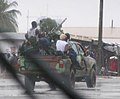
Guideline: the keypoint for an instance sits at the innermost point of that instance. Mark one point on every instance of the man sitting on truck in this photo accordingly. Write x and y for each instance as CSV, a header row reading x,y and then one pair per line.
x,y
63,46
44,44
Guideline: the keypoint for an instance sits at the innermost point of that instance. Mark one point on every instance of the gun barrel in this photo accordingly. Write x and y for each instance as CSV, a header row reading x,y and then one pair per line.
x,y
63,21
56,28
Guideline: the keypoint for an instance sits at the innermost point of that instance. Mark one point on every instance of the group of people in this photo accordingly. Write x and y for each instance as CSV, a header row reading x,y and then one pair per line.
x,y
62,44
34,34
36,38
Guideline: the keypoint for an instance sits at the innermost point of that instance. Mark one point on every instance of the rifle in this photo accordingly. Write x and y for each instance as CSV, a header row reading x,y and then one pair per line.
x,y
54,33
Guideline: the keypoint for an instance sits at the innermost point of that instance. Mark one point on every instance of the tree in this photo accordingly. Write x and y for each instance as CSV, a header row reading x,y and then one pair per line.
x,y
8,16
47,24
51,28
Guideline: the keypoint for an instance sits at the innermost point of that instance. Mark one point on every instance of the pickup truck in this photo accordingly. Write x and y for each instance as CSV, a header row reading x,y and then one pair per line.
x,y
62,64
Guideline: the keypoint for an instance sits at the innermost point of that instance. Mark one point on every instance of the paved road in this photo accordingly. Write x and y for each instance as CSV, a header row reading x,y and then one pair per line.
x,y
107,88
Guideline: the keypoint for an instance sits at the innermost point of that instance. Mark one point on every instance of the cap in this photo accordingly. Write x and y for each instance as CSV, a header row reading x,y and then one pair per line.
x,y
63,36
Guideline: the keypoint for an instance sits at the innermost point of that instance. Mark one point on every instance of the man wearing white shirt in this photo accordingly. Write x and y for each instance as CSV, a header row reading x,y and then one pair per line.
x,y
62,45
32,32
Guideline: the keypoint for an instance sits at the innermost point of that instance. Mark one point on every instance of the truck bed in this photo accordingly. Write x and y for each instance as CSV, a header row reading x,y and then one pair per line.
x,y
30,67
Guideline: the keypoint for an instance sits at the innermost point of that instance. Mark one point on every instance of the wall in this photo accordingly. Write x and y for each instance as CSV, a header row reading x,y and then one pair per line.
x,y
5,45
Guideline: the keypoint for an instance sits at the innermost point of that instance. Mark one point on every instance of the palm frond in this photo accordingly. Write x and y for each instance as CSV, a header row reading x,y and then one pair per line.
x,y
14,12
8,15
10,5
8,24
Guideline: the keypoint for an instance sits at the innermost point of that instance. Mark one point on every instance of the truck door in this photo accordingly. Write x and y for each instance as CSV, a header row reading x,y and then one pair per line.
x,y
80,54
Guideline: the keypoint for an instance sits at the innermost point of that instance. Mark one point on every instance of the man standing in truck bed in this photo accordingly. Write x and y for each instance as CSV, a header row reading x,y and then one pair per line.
x,y
32,33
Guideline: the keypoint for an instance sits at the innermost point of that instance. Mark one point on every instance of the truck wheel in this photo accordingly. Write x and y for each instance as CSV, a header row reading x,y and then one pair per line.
x,y
29,83
52,86
71,78
91,79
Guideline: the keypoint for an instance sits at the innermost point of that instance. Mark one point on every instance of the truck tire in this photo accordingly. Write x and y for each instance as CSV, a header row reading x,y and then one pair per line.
x,y
91,79
71,78
29,83
51,84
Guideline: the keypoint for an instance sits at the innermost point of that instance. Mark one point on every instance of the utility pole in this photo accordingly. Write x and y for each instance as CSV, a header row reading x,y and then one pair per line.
x,y
100,62
27,19
118,63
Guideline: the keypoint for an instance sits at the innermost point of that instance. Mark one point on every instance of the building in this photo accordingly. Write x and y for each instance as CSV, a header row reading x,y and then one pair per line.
x,y
110,38
86,34
10,41
110,35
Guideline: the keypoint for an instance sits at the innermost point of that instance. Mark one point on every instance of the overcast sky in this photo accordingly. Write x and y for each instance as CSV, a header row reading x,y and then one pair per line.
x,y
79,13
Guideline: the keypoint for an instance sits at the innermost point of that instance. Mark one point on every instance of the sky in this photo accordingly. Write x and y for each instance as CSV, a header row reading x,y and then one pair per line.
x,y
79,13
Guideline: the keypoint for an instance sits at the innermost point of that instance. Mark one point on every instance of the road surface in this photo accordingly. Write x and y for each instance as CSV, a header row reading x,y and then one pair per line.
x,y
106,88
